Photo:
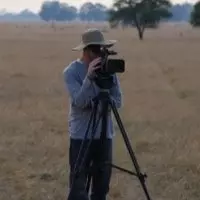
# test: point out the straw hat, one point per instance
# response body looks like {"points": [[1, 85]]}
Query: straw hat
{"points": [[93, 37]]}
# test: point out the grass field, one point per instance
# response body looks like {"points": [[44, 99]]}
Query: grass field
{"points": [[161, 95]]}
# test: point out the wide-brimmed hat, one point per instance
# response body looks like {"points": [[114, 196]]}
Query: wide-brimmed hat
{"points": [[93, 37]]}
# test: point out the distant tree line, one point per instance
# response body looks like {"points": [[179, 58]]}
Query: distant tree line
{"points": [[140, 14], [55, 10], [58, 11], [24, 15]]}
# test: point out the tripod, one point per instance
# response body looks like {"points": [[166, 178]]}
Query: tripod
{"points": [[106, 102]]}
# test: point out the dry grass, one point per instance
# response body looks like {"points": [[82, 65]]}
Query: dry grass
{"points": [[161, 90]]}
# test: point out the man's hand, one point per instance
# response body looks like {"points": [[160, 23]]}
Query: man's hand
{"points": [[93, 66]]}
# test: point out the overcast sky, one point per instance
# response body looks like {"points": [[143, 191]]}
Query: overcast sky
{"points": [[17, 5]]}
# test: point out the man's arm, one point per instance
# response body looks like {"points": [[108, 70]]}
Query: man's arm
{"points": [[81, 95], [116, 93]]}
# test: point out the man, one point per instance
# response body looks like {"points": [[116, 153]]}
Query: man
{"points": [[79, 80]]}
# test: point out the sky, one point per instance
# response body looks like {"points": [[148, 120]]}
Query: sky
{"points": [[34, 5]]}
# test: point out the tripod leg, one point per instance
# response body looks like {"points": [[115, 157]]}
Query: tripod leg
{"points": [[140, 176], [103, 116], [78, 167], [82, 157], [91, 139]]}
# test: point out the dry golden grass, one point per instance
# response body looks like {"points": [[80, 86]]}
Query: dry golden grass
{"points": [[161, 89]]}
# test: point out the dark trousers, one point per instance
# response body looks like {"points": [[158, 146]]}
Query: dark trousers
{"points": [[99, 154]]}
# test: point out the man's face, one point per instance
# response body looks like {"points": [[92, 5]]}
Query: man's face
{"points": [[91, 54]]}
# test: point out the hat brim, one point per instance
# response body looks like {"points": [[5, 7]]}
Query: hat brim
{"points": [[108, 43]]}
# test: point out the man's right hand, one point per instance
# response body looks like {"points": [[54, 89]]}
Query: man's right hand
{"points": [[93, 66]]}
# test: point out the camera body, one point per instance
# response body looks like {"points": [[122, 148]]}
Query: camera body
{"points": [[109, 67]]}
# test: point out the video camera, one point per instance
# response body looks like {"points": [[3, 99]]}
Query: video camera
{"points": [[108, 68]]}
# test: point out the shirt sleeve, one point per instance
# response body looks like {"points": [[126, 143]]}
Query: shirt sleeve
{"points": [[81, 95], [116, 93]]}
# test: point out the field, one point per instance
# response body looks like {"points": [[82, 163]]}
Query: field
{"points": [[161, 95]]}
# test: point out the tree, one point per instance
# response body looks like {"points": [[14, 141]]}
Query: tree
{"points": [[85, 11], [93, 12], [54, 10], [66, 13], [195, 15], [140, 14], [49, 10], [100, 12]]}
